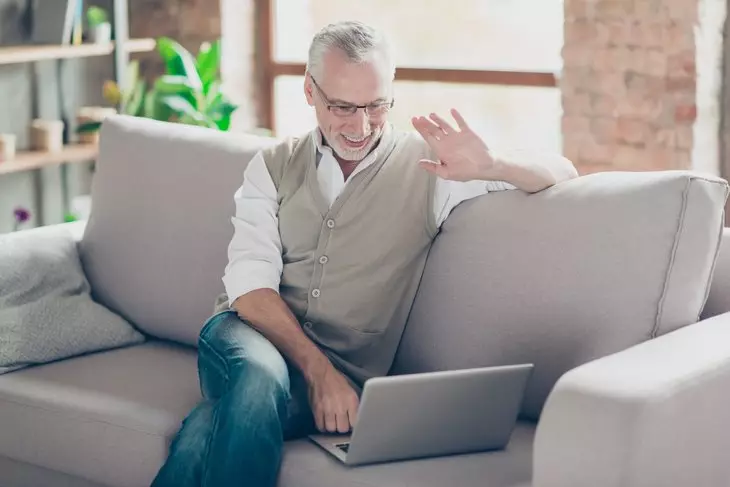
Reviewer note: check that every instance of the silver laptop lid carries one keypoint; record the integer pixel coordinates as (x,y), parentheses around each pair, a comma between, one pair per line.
(437,413)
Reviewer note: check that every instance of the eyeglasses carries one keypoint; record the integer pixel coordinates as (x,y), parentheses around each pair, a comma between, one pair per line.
(373,110)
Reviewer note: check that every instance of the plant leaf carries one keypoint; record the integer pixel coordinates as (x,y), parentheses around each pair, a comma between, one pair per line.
(88,127)
(222,109)
(223,124)
(96,16)
(184,108)
(136,100)
(179,85)
(172,84)
(150,105)
(213,93)
(154,108)
(131,81)
(208,62)
(180,62)
(173,64)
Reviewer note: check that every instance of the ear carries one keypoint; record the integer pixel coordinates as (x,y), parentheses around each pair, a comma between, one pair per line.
(308,87)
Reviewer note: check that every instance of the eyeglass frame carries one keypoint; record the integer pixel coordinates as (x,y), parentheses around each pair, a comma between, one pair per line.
(351,106)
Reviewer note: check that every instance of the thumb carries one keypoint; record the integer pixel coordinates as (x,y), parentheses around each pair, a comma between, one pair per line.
(436,168)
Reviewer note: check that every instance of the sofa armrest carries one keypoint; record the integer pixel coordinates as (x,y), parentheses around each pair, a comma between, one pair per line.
(657,414)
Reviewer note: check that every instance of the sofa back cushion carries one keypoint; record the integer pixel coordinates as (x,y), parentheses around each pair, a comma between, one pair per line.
(584,269)
(155,246)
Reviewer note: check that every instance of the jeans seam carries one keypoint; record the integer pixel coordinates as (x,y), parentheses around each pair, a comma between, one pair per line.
(214,427)
(212,320)
(206,455)
(220,358)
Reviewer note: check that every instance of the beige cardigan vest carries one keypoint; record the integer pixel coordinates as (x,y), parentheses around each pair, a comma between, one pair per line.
(351,271)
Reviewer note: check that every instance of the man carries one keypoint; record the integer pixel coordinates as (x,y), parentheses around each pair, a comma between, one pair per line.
(331,236)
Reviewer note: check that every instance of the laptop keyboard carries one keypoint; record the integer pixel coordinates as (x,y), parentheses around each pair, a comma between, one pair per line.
(343,446)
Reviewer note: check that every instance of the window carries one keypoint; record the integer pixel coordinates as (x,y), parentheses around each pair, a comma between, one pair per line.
(494,60)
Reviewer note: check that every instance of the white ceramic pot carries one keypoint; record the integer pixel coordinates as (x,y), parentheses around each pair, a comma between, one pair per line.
(102,33)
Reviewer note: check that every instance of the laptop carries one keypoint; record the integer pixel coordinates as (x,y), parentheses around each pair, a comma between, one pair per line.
(432,414)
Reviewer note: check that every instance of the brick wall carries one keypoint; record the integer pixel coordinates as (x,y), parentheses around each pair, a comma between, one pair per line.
(189,22)
(630,84)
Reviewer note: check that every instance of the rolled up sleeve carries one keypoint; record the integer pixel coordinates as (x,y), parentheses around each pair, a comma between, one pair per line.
(254,253)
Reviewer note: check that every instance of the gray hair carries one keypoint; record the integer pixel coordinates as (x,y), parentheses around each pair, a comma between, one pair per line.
(357,40)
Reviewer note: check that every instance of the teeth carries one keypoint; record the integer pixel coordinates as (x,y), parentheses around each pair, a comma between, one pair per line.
(351,139)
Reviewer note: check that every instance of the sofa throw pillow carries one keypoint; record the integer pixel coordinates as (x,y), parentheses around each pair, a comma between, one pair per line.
(46,309)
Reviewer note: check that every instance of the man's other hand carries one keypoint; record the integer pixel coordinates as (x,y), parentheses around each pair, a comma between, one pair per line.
(333,400)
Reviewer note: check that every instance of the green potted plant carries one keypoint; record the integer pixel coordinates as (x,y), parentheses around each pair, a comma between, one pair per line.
(191,88)
(189,92)
(100,29)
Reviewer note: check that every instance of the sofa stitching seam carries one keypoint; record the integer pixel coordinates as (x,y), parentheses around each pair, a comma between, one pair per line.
(713,267)
(672,257)
(73,416)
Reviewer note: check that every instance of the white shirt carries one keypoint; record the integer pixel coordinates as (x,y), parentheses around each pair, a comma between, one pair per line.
(254,253)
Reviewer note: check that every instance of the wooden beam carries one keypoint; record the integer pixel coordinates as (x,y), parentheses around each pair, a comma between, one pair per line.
(264,72)
(470,76)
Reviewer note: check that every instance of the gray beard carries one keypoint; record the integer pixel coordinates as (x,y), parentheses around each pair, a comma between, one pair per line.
(359,154)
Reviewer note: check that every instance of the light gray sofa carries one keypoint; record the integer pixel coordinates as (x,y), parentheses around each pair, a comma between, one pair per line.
(602,282)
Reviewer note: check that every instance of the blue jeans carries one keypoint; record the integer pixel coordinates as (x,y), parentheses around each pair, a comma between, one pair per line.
(252,402)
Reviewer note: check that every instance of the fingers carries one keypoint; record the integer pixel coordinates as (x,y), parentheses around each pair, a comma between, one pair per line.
(437,126)
(459,119)
(335,420)
(331,421)
(436,168)
(343,422)
(427,129)
(352,411)
(319,420)
(442,124)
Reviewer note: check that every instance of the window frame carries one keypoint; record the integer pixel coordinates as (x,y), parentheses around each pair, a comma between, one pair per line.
(270,69)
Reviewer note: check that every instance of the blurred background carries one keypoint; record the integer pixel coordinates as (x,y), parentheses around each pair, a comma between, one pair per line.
(629,85)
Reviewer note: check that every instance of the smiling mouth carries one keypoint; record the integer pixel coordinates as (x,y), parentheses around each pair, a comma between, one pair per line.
(356,142)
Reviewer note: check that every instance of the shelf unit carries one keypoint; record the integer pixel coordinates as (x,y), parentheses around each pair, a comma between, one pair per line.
(31,160)
(29,54)
(120,49)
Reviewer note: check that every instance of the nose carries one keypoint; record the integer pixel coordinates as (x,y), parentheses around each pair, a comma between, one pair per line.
(360,121)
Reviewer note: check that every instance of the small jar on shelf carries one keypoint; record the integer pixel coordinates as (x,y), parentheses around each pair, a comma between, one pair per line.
(88,120)
(46,135)
(7,147)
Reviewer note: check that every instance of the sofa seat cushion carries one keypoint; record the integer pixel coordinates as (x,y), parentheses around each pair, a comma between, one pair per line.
(306,465)
(109,418)
(105,417)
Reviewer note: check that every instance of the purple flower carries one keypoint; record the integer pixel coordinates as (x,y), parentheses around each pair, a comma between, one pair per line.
(21,215)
